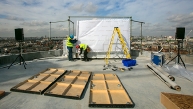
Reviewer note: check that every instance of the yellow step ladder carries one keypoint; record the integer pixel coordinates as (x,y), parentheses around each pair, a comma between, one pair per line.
(123,43)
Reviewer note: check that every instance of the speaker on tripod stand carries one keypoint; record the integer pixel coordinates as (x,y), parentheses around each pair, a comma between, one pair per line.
(19,36)
(180,33)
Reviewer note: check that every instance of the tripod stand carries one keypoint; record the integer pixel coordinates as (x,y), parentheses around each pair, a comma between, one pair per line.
(21,59)
(178,55)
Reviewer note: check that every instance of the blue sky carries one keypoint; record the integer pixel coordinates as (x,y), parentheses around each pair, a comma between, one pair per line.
(161,17)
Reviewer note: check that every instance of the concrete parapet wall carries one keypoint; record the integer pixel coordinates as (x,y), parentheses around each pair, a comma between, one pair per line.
(54,53)
(30,56)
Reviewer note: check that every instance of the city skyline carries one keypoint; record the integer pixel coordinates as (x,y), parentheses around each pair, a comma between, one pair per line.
(161,17)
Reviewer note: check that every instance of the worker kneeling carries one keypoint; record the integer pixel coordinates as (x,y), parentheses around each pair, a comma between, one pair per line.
(85,48)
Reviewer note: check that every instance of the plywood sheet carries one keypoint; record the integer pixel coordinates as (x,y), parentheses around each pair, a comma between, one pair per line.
(110,77)
(67,79)
(119,97)
(49,71)
(51,78)
(27,84)
(58,88)
(98,85)
(98,77)
(39,77)
(99,97)
(80,80)
(114,85)
(106,90)
(40,86)
(71,73)
(59,72)
(75,90)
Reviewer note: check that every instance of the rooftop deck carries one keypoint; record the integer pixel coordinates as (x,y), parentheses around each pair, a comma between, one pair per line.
(142,85)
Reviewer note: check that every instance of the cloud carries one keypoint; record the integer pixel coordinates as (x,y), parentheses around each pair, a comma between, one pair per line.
(15,18)
(90,7)
(181,19)
(35,23)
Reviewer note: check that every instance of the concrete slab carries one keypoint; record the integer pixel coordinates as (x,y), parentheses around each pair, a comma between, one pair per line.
(143,86)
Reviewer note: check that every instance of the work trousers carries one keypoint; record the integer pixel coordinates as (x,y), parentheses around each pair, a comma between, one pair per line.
(70,53)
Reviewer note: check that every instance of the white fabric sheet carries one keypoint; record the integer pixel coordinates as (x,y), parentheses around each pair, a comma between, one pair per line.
(97,33)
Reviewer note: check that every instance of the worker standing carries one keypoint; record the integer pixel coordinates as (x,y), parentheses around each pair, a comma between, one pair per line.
(70,43)
(85,48)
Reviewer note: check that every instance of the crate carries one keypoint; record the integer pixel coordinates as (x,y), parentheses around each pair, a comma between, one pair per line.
(129,62)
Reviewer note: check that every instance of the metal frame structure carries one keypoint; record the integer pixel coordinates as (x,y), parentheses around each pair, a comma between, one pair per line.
(141,32)
(111,17)
(62,21)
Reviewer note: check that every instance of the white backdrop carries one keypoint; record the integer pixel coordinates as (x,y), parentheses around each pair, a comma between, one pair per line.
(97,33)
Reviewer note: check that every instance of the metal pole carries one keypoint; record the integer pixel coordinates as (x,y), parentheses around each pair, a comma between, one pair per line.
(141,39)
(69,25)
(50,31)
(73,28)
(130,31)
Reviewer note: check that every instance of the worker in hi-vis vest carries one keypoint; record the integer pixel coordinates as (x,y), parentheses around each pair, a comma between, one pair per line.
(70,44)
(85,48)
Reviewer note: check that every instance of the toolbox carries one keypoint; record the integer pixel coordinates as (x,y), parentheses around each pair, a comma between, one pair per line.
(157,58)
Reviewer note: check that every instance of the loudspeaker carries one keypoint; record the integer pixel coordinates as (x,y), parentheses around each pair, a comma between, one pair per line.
(19,36)
(180,32)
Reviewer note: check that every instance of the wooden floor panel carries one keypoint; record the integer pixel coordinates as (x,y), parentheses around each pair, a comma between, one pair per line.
(106,90)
